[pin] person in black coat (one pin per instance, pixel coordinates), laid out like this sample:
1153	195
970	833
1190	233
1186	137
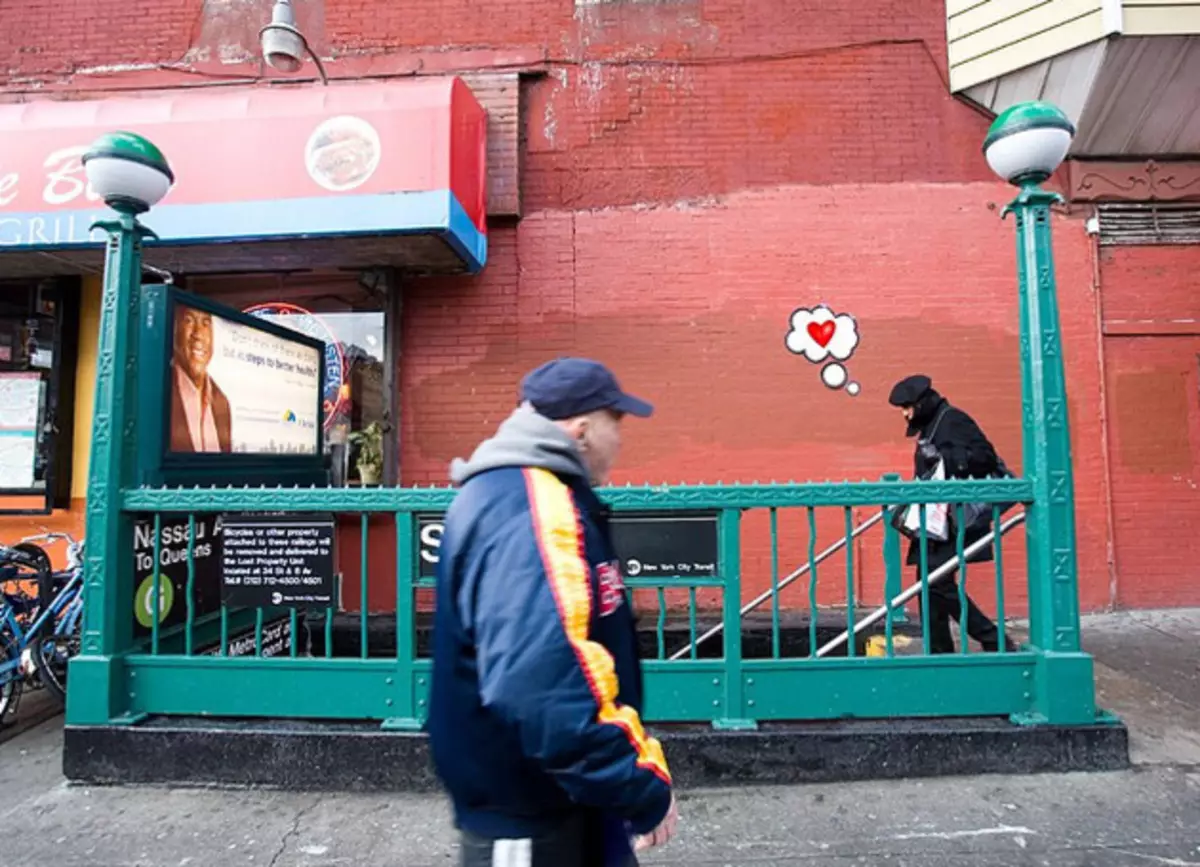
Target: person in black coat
946	432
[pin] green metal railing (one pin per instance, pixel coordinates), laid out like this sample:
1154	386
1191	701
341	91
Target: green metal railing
119	677
690	675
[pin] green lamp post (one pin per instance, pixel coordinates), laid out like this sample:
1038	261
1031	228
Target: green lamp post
1025	145
131	175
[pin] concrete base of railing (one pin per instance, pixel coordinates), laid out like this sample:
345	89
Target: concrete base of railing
352	757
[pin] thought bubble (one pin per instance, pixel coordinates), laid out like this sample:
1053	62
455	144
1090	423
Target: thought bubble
818	334
833	375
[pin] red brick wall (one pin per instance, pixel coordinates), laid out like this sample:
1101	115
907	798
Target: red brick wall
1151	284
690	303
692	172
44	39
1154	406
50	41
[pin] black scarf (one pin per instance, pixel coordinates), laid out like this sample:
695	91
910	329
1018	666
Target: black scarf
925	411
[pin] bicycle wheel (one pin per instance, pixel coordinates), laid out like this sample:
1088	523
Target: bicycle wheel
10	689
41	569
55	646
10	695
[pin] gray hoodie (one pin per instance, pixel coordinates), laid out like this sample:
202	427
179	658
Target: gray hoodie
524	439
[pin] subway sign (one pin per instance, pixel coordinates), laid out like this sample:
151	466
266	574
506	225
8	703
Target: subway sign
648	544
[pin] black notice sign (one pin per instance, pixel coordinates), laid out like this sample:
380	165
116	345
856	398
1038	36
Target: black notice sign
277	560
670	544
648	544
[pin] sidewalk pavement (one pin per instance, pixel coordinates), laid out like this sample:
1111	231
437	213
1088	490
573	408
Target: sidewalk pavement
1147	671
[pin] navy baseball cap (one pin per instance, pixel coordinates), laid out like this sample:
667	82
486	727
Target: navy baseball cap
567	387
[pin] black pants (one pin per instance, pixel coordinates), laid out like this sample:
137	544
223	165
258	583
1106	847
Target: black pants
944	605
577	843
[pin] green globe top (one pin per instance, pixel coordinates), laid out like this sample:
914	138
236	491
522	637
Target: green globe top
127	171
1028	142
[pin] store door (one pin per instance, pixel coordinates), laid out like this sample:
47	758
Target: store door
1154	442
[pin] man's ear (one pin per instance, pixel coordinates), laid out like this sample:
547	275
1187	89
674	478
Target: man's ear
577	429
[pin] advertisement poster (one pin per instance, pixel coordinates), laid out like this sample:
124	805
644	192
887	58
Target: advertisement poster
20	408
297	318
237	389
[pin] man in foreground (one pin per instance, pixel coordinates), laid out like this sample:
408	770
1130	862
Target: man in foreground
536	698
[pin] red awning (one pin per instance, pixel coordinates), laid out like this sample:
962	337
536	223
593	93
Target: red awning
389	173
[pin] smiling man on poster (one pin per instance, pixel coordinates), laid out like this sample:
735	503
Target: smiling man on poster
201	420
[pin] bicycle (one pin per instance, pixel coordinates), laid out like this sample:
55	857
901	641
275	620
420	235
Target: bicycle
38	635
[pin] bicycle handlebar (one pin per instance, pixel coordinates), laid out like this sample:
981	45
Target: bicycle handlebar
53	537
74	548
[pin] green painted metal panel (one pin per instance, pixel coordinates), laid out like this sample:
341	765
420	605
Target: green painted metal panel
684	691
893	570
95	696
254	687
733	711
413	701
978	685
1050	522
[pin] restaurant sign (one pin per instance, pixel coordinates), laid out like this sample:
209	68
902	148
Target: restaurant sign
260	164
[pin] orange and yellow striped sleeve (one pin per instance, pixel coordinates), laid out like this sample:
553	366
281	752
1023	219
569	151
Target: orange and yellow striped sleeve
560	540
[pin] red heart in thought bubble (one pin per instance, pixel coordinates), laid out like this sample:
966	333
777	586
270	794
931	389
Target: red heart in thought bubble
822	333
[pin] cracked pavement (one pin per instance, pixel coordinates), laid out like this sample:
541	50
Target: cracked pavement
1146	670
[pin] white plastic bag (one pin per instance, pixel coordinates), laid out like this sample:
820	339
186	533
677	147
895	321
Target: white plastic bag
937	515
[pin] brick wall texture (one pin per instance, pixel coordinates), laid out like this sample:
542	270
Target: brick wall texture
692	172
1154	422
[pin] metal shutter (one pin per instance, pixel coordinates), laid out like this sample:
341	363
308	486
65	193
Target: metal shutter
1162	223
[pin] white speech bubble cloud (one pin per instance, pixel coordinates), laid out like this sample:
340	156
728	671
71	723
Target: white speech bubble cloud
833	375
819	333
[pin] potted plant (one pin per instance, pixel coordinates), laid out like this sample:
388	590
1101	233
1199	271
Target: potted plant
369	442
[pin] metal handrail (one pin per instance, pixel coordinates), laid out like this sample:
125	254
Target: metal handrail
763	597
936	575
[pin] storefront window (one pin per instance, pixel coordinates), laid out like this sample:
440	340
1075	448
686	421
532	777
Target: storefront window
352	321
38	334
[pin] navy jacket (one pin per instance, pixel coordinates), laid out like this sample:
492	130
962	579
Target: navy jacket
536	694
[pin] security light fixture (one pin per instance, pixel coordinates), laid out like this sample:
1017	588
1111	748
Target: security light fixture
283	46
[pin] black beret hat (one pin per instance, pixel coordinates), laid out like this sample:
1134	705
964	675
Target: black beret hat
909	390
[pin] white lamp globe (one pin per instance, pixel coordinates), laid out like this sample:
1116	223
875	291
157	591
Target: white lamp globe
282	44
127	171
1028	142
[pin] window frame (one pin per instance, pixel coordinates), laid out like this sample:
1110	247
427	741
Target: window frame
382	280
59	452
